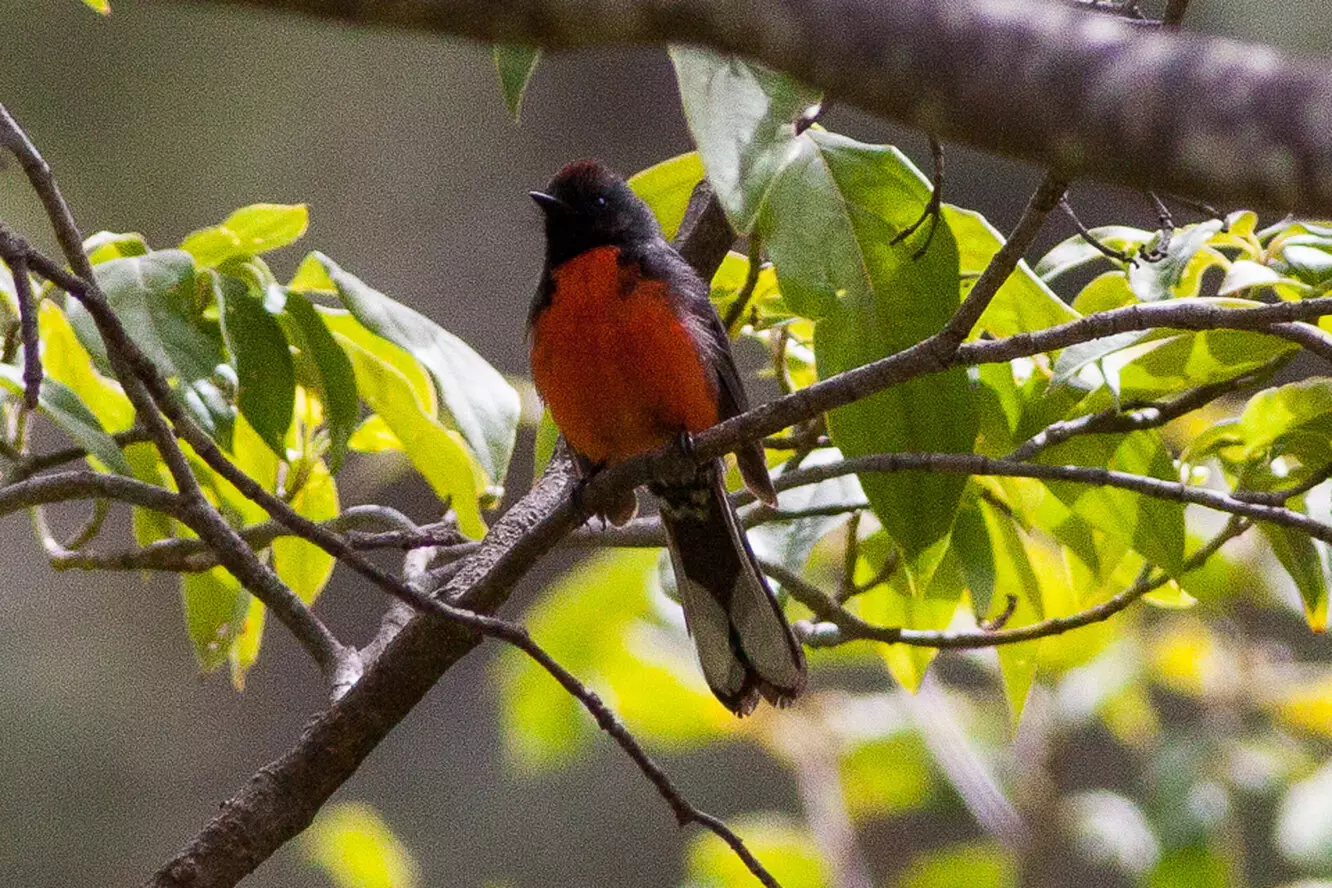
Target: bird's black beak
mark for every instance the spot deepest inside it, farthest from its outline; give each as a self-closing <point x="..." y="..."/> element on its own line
<point x="548" y="203"/>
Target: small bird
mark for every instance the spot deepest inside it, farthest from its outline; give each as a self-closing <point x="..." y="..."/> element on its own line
<point x="629" y="356"/>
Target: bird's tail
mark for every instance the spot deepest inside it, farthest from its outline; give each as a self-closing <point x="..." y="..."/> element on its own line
<point x="745" y="646"/>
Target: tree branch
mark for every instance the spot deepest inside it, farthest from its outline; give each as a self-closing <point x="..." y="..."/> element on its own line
<point x="1150" y="108"/>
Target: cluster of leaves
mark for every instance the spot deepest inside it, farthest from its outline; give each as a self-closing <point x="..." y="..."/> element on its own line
<point x="925" y="551"/>
<point x="285" y="378"/>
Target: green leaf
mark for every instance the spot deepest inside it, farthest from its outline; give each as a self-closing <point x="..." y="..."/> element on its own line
<point x="1300" y="557"/>
<point x="787" y="851"/>
<point x="547" y="436"/>
<point x="1077" y="251"/>
<point x="249" y="231"/>
<point x="1310" y="264"/>
<point x="1179" y="273"/>
<point x="245" y="649"/>
<point x="1024" y="303"/>
<point x="355" y="848"/>
<point x="65" y="360"/>
<point x="976" y="864"/>
<point x="106" y="245"/>
<point x="437" y="453"/>
<point x="886" y="775"/>
<point x="267" y="379"/>
<point x="666" y="188"/>
<point x="742" y="117"/>
<point x="515" y="65"/>
<point x="374" y="436"/>
<point x="476" y="399"/>
<point x="1294" y="418"/>
<point x="827" y="224"/>
<point x="326" y="369"/>
<point x="154" y="297"/>
<point x="1014" y="578"/>
<point x="63" y="407"/>
<point x="215" y="608"/>
<point x="102" y="6"/>
<point x="302" y="565"/>
<point x="1152" y="527"/>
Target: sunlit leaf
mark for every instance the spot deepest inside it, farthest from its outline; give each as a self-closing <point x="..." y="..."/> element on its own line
<point x="355" y="848"/>
<point x="474" y="398"/>
<point x="301" y="564"/>
<point x="102" y="6"/>
<point x="58" y="402"/>
<point x="742" y="117"/>
<point x="436" y="452"/>
<point x="106" y="245"/>
<point x="1014" y="579"/>
<point x="543" y="448"/>
<point x="1300" y="557"/>
<point x="248" y="232"/>
<point x="666" y="188"/>
<point x="515" y="65"/>
<point x="65" y="360"/>
<point x="1177" y="274"/>
<point x="215" y="608"/>
<point x="373" y="436"/>
<point x="1076" y="251"/>
<point x="1024" y="303"/>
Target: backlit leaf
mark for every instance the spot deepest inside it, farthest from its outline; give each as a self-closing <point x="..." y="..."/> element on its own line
<point x="215" y="608"/>
<point x="355" y="848"/>
<point x="249" y="231"/>
<point x="666" y="188"/>
<point x="787" y="851"/>
<point x="58" y="402"/>
<point x="515" y="65"/>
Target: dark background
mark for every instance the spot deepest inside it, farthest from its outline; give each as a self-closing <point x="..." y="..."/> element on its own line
<point x="165" y="117"/>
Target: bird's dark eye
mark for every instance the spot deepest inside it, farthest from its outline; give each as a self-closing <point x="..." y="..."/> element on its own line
<point x="601" y="201"/>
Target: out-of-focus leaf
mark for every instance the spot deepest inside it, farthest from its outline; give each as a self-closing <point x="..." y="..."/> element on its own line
<point x="593" y="621"/>
<point x="249" y="231"/>
<point x="59" y="403"/>
<point x="355" y="848"/>
<point x="666" y="188"/>
<point x="1024" y="303"/>
<point x="1192" y="867"/>
<point x="978" y="864"/>
<point x="1299" y="556"/>
<point x="1304" y="822"/>
<point x="101" y="6"/>
<point x="65" y="360"/>
<point x="154" y="297"/>
<point x="436" y="452"/>
<point x="328" y="370"/>
<point x="547" y="436"/>
<point x="827" y="223"/>
<point x="262" y="359"/>
<point x="1185" y="657"/>
<point x="886" y="776"/>
<point x="515" y="65"/>
<point x="476" y="399"/>
<point x="106" y="245"/>
<point x="215" y="608"/>
<point x="1111" y="829"/>
<point x="742" y="117"/>
<point x="788" y="851"/>
<point x="1306" y="704"/>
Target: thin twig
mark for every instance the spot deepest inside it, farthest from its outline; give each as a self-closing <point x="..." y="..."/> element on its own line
<point x="852" y="628"/>
<point x="933" y="210"/>
<point x="1091" y="239"/>
<point x="32" y="347"/>
<point x="736" y="310"/>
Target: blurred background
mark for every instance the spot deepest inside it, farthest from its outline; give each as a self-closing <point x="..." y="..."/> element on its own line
<point x="166" y="116"/>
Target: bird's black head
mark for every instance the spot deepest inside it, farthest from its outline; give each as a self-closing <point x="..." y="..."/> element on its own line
<point x="586" y="206"/>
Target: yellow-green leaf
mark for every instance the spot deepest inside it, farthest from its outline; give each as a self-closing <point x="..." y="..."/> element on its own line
<point x="355" y="848"/>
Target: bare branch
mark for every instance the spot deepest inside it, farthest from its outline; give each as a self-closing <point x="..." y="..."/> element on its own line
<point x="979" y="72"/>
<point x="849" y="627"/>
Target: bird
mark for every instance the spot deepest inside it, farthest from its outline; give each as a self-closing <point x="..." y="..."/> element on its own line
<point x="629" y="356"/>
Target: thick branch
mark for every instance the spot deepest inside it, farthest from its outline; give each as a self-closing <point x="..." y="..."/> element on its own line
<point x="1082" y="94"/>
